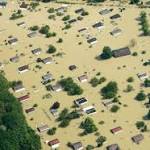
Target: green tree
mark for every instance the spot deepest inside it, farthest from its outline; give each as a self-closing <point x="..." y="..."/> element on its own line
<point x="114" y="108"/>
<point x="89" y="147"/>
<point x="100" y="140"/>
<point x="44" y="29"/>
<point x="88" y="126"/>
<point x="51" y="131"/>
<point x="110" y="90"/>
<point x="147" y="83"/>
<point x="141" y="96"/>
<point x="134" y="1"/>
<point x="107" y="53"/>
<point x="51" y="49"/>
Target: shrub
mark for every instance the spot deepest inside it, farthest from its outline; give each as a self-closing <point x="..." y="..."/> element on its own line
<point x="51" y="131"/>
<point x="44" y="29"/>
<point x="51" y="49"/>
<point x="114" y="108"/>
<point x="140" y="96"/>
<point x="65" y="18"/>
<point x="130" y="79"/>
<point x="34" y="28"/>
<point x="51" y="10"/>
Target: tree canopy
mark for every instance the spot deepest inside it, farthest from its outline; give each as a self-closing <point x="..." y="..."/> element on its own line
<point x="15" y="134"/>
<point x="110" y="90"/>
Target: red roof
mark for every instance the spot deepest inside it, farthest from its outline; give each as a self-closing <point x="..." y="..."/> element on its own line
<point x="117" y="129"/>
<point x="23" y="98"/>
<point x="53" y="142"/>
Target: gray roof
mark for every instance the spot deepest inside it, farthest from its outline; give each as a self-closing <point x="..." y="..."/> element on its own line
<point x="37" y="50"/>
<point x="104" y="11"/>
<point x="47" y="77"/>
<point x="43" y="128"/>
<point x="80" y="10"/>
<point x="3" y="2"/>
<point x="14" y="59"/>
<point x="56" y="87"/>
<point x="113" y="147"/>
<point x="115" y="31"/>
<point x="90" y="41"/>
<point x="13" y="40"/>
<point x="121" y="52"/>
<point x="98" y="24"/>
<point x="19" y="86"/>
<point x="22" y="68"/>
<point x="47" y="60"/>
<point x="77" y="145"/>
<point x="32" y="34"/>
<point x="138" y="138"/>
<point x="116" y="16"/>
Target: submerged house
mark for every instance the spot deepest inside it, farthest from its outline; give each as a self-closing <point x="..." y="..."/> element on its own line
<point x="113" y="147"/>
<point x="14" y="59"/>
<point x="32" y="34"/>
<point x="80" y="101"/>
<point x="47" y="77"/>
<point x="98" y="25"/>
<point x="92" y="40"/>
<point x="37" y="51"/>
<point x="13" y="41"/>
<point x="18" y="87"/>
<point x="77" y="146"/>
<point x="23" y="69"/>
<point x="121" y="52"/>
<point x="29" y="110"/>
<point x="43" y="128"/>
<point x="104" y="11"/>
<point x="83" y="78"/>
<point x="3" y="3"/>
<point x="116" y="130"/>
<point x="79" y="10"/>
<point x="24" y="98"/>
<point x="116" y="32"/>
<point x="143" y="76"/>
<point x="57" y="87"/>
<point x="54" y="144"/>
<point x="21" y="24"/>
<point x="137" y="138"/>
<point x="89" y="110"/>
<point x="24" y="6"/>
<point x="116" y="16"/>
<point x="47" y="60"/>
